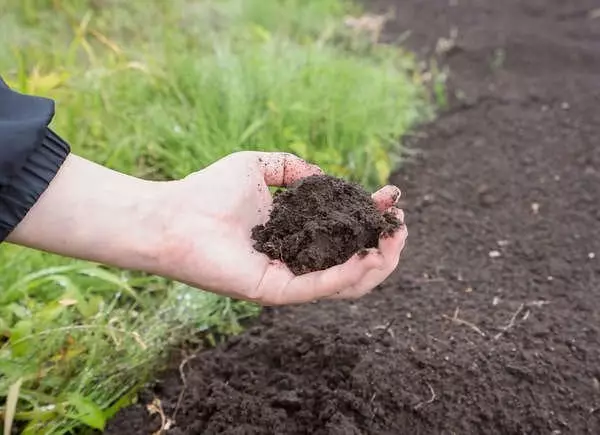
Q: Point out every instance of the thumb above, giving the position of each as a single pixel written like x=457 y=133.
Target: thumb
x=284 y=169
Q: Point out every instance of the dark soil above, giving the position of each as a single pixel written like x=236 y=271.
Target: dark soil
x=491 y=325
x=320 y=222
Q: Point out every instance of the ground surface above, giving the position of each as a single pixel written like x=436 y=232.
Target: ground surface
x=492 y=322
x=321 y=222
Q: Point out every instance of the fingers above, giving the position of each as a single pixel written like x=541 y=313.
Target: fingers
x=284 y=169
x=279 y=286
x=386 y=197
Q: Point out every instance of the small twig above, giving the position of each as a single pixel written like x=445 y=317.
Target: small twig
x=433 y=397
x=537 y=304
x=429 y=280
x=156 y=408
x=139 y=340
x=511 y=323
x=513 y=320
x=438 y=340
x=460 y=321
x=373 y=398
x=184 y=381
x=386 y=328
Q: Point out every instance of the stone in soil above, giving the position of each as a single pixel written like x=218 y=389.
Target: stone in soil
x=321 y=221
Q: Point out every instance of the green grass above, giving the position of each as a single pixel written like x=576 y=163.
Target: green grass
x=160 y=91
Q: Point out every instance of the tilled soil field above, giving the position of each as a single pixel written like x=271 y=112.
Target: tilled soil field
x=492 y=322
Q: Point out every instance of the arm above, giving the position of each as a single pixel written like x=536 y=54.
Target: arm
x=94 y=213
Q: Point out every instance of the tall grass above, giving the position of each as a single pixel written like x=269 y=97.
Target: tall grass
x=158 y=90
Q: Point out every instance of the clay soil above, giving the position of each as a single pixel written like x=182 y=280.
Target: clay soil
x=492 y=322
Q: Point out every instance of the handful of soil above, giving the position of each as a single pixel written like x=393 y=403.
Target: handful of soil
x=320 y=222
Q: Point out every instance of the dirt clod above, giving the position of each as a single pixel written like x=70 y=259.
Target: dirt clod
x=320 y=222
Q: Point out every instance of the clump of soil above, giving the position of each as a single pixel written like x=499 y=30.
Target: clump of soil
x=320 y=222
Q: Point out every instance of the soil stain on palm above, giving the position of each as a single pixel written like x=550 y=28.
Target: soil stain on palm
x=321 y=221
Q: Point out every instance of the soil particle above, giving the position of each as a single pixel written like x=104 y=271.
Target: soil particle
x=321 y=221
x=457 y=340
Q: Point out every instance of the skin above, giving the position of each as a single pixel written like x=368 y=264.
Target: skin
x=196 y=230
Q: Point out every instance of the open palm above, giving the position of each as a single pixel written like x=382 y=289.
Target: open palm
x=209 y=216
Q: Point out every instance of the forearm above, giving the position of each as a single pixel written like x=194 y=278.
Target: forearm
x=93 y=213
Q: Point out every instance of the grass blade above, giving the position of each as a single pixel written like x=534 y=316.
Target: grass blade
x=11 y=405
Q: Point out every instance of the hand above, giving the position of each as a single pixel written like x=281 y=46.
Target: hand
x=208 y=217
x=196 y=230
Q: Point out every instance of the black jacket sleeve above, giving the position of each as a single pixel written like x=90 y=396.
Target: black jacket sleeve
x=30 y=154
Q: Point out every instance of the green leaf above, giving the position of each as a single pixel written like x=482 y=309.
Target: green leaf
x=35 y=280
x=3 y=326
x=72 y=291
x=260 y=32
x=40 y=83
x=32 y=428
x=96 y=272
x=95 y=302
x=33 y=277
x=250 y=130
x=50 y=312
x=21 y=330
x=19 y=311
x=125 y=400
x=9 y=367
x=383 y=171
x=87 y=411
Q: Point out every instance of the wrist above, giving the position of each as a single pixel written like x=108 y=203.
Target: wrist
x=134 y=239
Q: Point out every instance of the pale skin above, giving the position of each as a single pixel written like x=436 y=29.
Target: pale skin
x=196 y=230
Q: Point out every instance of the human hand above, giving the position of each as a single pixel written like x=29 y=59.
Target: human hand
x=207 y=220
x=196 y=230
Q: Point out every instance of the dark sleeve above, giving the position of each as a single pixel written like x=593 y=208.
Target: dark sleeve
x=30 y=154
